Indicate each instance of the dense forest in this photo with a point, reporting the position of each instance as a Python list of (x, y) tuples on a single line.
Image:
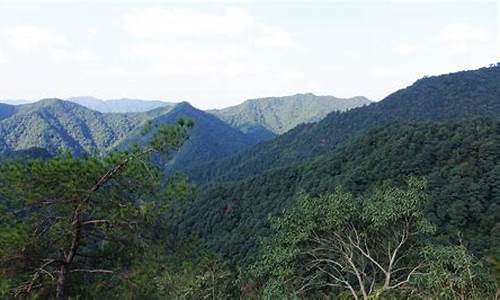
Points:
[(278, 115), (399, 199), (89, 126), (445, 97), (459, 160)]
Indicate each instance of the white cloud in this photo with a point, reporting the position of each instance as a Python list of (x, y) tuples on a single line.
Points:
[(187, 24), (43, 44), (200, 53), (452, 39), (31, 38), (464, 38), (3, 58), (406, 48), (462, 32)]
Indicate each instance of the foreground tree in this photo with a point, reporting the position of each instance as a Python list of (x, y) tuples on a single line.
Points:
[(362, 247), (453, 273), (69, 219)]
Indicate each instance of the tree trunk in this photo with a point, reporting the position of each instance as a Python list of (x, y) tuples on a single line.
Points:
[(61, 283)]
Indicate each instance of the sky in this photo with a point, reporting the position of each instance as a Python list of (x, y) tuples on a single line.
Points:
[(216, 54)]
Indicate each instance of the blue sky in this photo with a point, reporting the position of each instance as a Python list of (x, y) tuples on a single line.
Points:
[(216, 54)]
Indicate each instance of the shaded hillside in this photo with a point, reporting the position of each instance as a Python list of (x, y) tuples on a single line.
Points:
[(31, 153), (210, 139), (280, 114), (57, 125), (447, 97), (6, 110), (123, 105), (461, 162)]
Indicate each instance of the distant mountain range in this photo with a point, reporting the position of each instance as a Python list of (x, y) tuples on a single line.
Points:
[(445, 129), (210, 138), (249, 162), (455, 96), (58, 125), (123, 105), (280, 114), (87, 125)]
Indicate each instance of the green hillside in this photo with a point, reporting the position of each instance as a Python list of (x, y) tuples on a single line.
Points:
[(58, 125), (280, 114), (460, 160), (31, 153), (414, 176), (447, 97), (210, 138), (6, 110)]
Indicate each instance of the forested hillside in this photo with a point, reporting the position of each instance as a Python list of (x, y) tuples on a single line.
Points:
[(460, 160), (210, 139), (447, 97), (58, 125), (397, 199), (280, 114), (6, 110), (26, 154)]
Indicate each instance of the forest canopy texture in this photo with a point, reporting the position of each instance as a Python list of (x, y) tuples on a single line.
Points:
[(399, 199)]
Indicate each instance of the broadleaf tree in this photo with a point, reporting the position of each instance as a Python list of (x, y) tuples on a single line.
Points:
[(360, 247)]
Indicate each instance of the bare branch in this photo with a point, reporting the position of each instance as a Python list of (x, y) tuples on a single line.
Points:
[(101, 271)]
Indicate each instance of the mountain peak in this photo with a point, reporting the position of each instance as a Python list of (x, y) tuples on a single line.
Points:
[(184, 105), (280, 114), (49, 101), (455, 96)]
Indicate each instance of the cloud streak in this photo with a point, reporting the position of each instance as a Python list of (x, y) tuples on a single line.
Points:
[(31, 40), (232, 25)]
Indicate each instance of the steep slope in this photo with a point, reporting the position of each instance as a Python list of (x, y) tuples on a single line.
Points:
[(280, 114), (210, 139), (123, 105), (31, 153), (447, 97), (460, 160), (6, 110), (57, 125)]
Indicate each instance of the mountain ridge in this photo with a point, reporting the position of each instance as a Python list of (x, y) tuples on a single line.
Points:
[(122, 105), (451, 96), (210, 139), (456, 157), (55, 125), (280, 114)]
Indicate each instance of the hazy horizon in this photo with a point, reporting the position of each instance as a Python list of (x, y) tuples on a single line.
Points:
[(218, 55)]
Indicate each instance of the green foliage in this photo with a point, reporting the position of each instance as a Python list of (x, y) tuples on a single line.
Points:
[(131, 220), (282, 252), (277, 115), (61, 126), (67, 221), (57, 125), (210, 139), (366, 246), (459, 160), (456, 96), (389, 204), (453, 273)]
